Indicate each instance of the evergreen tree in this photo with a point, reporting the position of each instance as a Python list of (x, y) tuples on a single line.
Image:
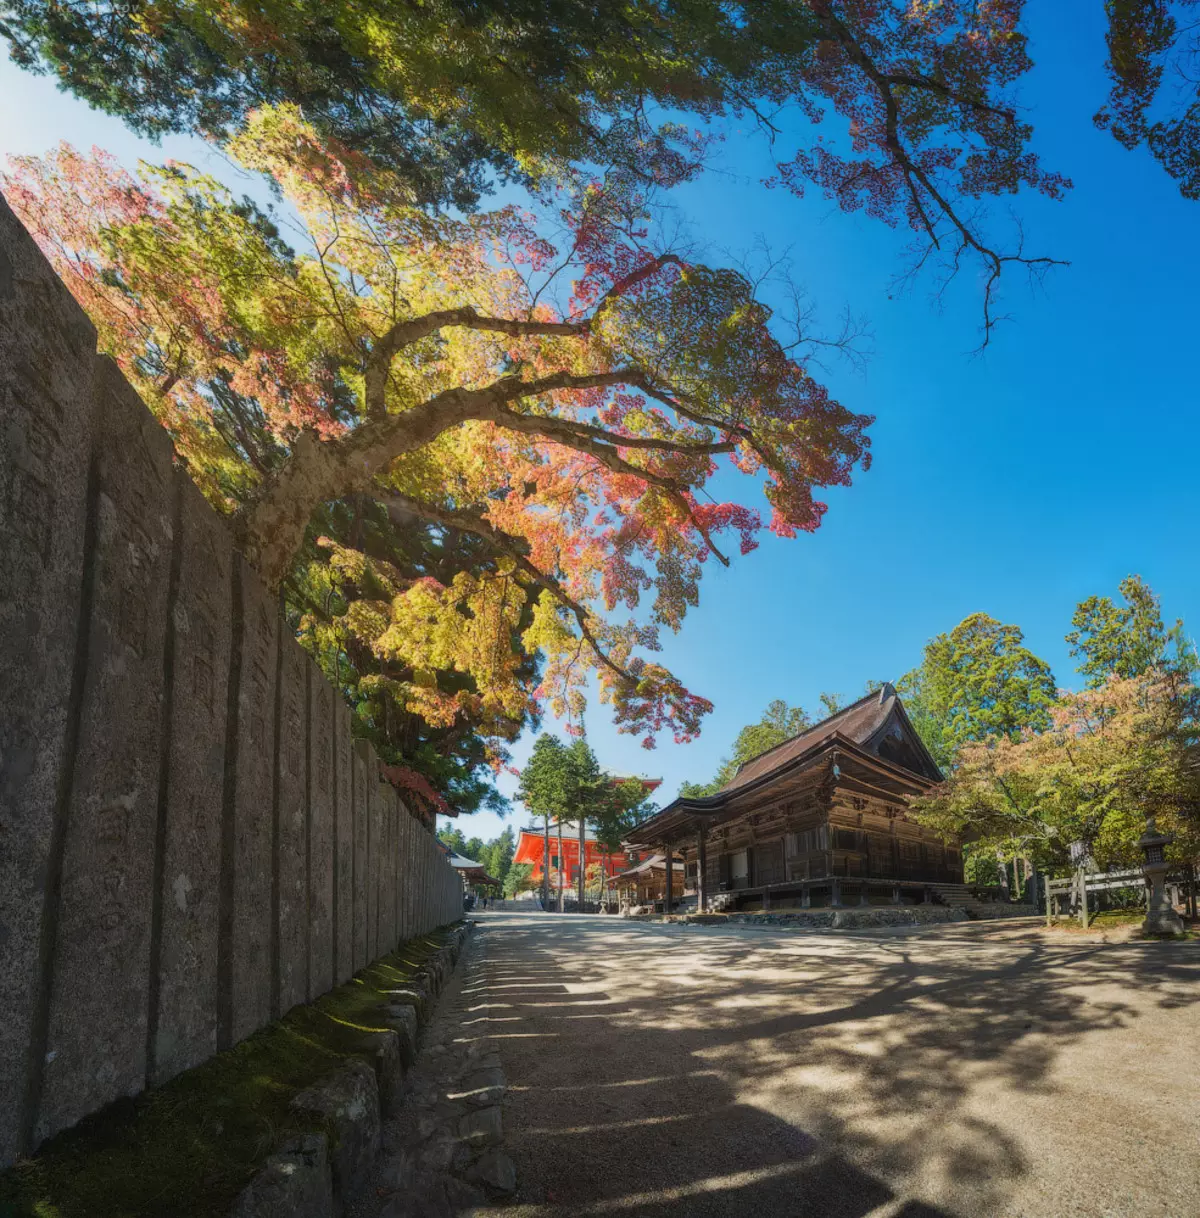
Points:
[(1129, 639), (779, 722), (979, 680)]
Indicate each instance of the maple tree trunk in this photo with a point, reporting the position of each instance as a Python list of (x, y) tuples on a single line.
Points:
[(271, 528), (318, 471)]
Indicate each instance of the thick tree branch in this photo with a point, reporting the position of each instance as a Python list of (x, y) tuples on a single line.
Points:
[(272, 527), (405, 333)]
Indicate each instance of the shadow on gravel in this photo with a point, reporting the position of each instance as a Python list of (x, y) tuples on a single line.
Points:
[(624, 1100)]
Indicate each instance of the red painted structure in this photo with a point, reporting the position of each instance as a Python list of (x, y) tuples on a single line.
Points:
[(531, 846)]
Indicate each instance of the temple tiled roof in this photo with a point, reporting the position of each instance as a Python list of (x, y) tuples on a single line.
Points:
[(857, 722)]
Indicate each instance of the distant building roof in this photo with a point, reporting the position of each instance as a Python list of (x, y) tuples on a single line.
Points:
[(657, 862)]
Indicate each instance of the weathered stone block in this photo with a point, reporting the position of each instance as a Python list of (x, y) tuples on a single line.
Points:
[(322, 857), (374, 855), (388, 892), (364, 779), (417, 995), (344, 820), (47, 371), (96, 1047), (185, 1013), (496, 1172), (246, 983), (389, 1070), (291, 841), (349, 1101), (295, 1183), (403, 1019), (483, 1127)]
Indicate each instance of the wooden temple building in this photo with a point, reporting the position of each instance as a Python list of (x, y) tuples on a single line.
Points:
[(820, 819), (643, 885)]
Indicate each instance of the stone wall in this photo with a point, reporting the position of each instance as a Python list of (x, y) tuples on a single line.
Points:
[(189, 842)]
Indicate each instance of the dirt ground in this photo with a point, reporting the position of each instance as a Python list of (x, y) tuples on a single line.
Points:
[(979, 1069)]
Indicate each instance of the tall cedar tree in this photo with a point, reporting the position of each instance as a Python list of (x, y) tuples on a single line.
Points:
[(545, 790), (980, 680), (1126, 640)]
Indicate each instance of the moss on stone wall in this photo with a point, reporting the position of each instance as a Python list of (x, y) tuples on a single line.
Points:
[(186, 1149)]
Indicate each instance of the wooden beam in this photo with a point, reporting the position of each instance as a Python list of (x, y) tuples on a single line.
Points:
[(670, 877)]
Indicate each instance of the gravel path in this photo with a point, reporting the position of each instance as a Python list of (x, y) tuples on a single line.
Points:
[(674, 1072)]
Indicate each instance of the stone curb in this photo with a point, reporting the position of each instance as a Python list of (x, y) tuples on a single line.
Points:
[(850, 918), (444, 1157), (312, 1178)]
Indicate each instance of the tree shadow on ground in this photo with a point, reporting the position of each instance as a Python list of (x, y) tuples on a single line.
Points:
[(671, 1074)]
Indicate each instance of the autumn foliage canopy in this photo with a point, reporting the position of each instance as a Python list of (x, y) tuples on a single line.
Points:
[(481, 453), (559, 389)]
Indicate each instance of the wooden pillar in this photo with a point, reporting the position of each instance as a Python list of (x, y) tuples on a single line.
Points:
[(670, 878), (1083, 908), (864, 896), (835, 895), (895, 894), (701, 872), (1049, 907), (806, 897)]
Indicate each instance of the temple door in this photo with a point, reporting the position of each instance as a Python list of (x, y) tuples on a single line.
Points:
[(740, 869)]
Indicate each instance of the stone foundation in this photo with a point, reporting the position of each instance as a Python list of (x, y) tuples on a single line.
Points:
[(856, 918)]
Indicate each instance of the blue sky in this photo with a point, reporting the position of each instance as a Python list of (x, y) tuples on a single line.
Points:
[(1016, 482)]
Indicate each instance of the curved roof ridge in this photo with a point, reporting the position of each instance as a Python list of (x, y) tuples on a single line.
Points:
[(881, 696)]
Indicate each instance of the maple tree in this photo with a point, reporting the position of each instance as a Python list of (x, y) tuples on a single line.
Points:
[(1108, 757), (1155, 98), (554, 396), (448, 93)]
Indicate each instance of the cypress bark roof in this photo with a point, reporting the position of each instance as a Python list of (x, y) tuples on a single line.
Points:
[(877, 721)]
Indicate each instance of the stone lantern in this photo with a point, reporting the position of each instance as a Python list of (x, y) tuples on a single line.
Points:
[(1161, 918)]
